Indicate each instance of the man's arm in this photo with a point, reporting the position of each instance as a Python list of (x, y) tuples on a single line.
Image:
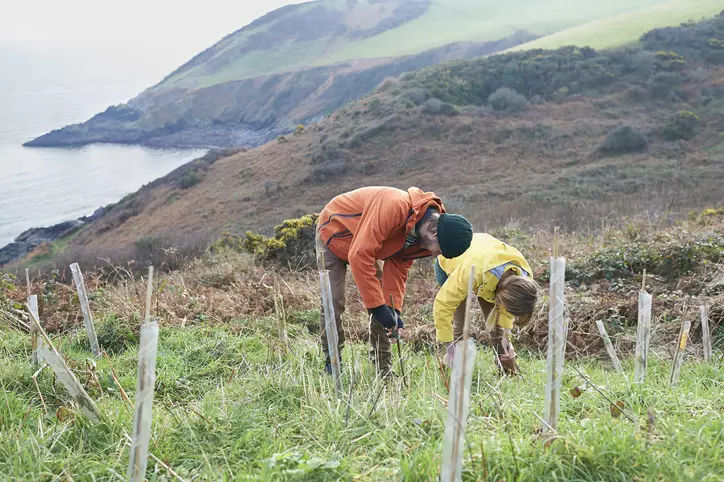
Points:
[(383, 215), (394, 279)]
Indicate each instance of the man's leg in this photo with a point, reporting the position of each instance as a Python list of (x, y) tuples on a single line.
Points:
[(337, 274), (380, 351)]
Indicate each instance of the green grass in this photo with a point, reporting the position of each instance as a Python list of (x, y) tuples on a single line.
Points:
[(448, 21), (445, 22), (627, 27), (226, 410)]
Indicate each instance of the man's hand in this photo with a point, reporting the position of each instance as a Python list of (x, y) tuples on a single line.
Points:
[(385, 316)]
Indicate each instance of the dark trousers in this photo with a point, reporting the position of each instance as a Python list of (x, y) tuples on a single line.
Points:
[(380, 351)]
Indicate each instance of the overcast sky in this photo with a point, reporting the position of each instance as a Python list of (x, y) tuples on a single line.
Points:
[(161, 34)]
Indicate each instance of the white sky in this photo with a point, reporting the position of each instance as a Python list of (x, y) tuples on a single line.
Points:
[(158, 33)]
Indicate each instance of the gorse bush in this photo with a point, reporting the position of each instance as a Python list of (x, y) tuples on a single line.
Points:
[(292, 244), (623, 140), (681, 126), (507, 100), (189, 180)]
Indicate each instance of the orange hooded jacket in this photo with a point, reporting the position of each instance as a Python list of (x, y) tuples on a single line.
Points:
[(370, 224)]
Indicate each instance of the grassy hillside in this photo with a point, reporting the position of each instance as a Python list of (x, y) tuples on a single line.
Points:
[(582, 134), (449, 21), (303, 61), (228, 403), (332, 31), (626, 28)]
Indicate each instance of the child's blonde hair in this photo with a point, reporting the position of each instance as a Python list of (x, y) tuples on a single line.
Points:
[(518, 295)]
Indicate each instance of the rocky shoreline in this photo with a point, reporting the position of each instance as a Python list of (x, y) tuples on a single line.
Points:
[(34, 237)]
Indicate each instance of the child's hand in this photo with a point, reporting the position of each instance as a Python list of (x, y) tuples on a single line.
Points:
[(450, 355)]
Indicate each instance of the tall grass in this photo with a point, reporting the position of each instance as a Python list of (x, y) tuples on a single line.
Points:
[(228, 409)]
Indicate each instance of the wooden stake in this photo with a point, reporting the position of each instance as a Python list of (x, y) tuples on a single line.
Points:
[(556, 343), (643, 281), (281, 314), (459, 403), (643, 337), (680, 352), (85, 307), (399, 347), (124, 395), (609, 347), (35, 340), (149, 294), (555, 242), (705, 334), (330, 327), (65, 375)]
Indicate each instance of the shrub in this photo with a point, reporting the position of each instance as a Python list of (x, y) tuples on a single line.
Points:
[(416, 96), (623, 140), (435, 106), (669, 61), (292, 245), (664, 83), (189, 180), (507, 100), (147, 247), (636, 93), (681, 126)]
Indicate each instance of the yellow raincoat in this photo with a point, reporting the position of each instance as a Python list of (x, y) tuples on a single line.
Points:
[(491, 258)]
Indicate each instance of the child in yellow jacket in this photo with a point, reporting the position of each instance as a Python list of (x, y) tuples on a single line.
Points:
[(506, 292)]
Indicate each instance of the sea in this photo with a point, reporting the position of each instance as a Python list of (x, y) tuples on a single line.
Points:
[(40, 187)]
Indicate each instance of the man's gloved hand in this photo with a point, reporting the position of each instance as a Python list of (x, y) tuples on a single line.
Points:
[(385, 316), (395, 334), (450, 354)]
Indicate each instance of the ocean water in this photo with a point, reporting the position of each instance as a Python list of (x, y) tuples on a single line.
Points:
[(42, 187)]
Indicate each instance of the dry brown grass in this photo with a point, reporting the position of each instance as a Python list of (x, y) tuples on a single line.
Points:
[(232, 288)]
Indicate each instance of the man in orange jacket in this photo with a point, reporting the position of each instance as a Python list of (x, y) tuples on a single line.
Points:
[(382, 225)]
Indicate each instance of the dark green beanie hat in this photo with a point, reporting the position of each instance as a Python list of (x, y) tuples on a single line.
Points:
[(454, 233)]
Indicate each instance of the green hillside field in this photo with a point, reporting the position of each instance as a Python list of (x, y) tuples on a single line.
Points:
[(627, 27), (329, 31), (449, 21)]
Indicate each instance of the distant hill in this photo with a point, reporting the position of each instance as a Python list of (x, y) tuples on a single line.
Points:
[(540, 136), (300, 62)]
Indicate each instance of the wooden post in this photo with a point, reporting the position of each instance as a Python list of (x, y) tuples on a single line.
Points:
[(281, 315), (705, 334), (556, 340), (680, 352), (143, 416), (36, 340), (609, 347), (459, 402), (64, 374), (643, 335), (330, 327), (85, 307)]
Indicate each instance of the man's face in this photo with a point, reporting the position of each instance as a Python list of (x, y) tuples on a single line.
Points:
[(428, 236)]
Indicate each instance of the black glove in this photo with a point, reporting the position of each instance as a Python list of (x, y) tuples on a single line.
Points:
[(385, 316), (400, 323)]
